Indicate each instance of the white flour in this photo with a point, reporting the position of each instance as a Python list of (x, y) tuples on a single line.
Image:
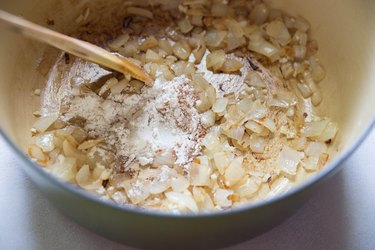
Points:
[(139, 126)]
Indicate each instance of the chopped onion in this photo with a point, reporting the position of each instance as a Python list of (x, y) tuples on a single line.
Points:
[(119, 42), (108, 85), (215, 60), (179, 184), (221, 198), (183, 200), (277, 30), (43, 123), (314, 129), (328, 133), (199, 174), (259, 14), (214, 38), (280, 186), (220, 105), (289, 160), (166, 46), (258, 44), (45, 142), (182, 50), (152, 56), (222, 161), (235, 171), (231, 66), (185, 25), (311, 163), (257, 144), (248, 188), (119, 87)]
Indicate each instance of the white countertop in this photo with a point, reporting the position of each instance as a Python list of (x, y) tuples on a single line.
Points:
[(341, 215)]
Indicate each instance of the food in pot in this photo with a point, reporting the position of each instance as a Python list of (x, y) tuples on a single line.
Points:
[(230, 119)]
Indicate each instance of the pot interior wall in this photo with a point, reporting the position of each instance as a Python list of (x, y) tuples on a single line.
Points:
[(345, 30)]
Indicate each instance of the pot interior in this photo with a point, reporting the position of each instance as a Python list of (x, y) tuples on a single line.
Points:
[(345, 30)]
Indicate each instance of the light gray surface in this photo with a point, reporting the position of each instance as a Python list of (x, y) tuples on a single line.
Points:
[(341, 215)]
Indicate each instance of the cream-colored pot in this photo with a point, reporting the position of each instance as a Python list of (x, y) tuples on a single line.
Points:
[(345, 30)]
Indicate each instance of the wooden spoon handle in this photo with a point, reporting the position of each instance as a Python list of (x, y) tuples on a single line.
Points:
[(74, 46)]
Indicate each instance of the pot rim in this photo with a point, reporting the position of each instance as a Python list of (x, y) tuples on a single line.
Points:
[(154, 213)]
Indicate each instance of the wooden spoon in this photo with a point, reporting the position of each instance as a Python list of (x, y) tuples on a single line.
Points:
[(74, 46)]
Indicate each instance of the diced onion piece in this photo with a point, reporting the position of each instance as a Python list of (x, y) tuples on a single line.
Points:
[(140, 12), (199, 174), (166, 46), (45, 142), (328, 133), (44, 122), (234, 27), (214, 38), (149, 43), (280, 186), (199, 52), (315, 148), (311, 163), (317, 71), (70, 151), (248, 188), (185, 25), (215, 60), (269, 124), (258, 44), (253, 79), (254, 127), (65, 168), (299, 52), (277, 30), (231, 66), (257, 143), (84, 179), (37, 153), (211, 140), (119, 87), (300, 38), (130, 49), (152, 56), (221, 198), (316, 98), (184, 200), (182, 50), (235, 132), (235, 171), (289, 160), (179, 184), (222, 161), (287, 70), (314, 129), (304, 90), (259, 14), (164, 158), (119, 42), (137, 191), (208, 119), (220, 105), (108, 85), (159, 186)]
